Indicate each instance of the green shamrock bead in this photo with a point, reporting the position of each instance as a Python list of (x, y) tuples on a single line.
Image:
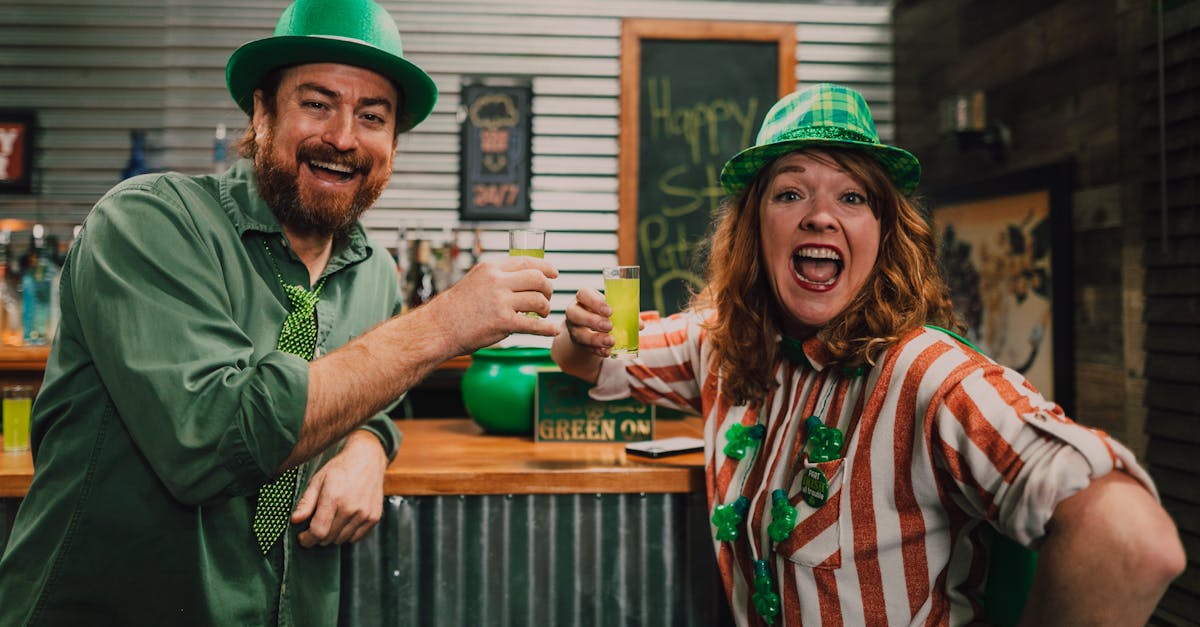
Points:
[(739, 437), (728, 517), (766, 602), (783, 516), (736, 441), (824, 442)]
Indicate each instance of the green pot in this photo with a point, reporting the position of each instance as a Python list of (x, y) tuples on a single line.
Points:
[(498, 388)]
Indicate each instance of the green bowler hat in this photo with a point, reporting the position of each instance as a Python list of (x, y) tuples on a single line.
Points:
[(821, 115), (350, 32)]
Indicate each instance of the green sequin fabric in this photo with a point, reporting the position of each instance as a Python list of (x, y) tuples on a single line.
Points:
[(298, 337)]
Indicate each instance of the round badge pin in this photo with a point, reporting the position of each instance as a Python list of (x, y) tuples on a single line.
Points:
[(814, 487)]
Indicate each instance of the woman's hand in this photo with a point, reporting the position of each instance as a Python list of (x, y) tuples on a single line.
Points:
[(588, 338), (587, 322)]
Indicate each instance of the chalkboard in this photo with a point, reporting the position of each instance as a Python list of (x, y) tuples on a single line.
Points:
[(692, 95)]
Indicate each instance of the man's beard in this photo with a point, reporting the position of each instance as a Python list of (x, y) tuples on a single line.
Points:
[(315, 212)]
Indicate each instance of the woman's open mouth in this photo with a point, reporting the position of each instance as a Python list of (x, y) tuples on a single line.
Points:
[(817, 266)]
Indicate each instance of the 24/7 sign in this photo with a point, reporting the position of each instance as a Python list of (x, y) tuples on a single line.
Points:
[(495, 152)]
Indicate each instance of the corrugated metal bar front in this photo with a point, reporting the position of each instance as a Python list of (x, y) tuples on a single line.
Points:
[(586, 559)]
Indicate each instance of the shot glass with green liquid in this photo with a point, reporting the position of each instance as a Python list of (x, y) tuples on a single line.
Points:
[(527, 243), (18, 401), (623, 293)]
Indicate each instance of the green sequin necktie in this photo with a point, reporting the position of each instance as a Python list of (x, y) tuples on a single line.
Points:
[(298, 337)]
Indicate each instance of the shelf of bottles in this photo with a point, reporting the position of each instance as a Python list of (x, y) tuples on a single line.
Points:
[(30, 257), (428, 262)]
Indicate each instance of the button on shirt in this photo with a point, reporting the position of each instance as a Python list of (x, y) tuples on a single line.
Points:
[(166, 406), (940, 442)]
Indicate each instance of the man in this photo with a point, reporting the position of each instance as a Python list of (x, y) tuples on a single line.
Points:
[(179, 395)]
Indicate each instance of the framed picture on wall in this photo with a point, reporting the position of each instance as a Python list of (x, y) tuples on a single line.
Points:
[(18, 129), (1005, 249)]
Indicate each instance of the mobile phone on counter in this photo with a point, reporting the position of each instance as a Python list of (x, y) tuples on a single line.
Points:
[(665, 447)]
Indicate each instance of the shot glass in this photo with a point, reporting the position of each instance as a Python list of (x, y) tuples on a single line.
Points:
[(17, 405), (622, 290), (527, 243)]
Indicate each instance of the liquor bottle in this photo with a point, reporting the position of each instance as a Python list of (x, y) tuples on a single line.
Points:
[(219, 150), (137, 155), (443, 265), (424, 285), (10, 303), (402, 264), (60, 250), (37, 283), (55, 253), (476, 247), (461, 257)]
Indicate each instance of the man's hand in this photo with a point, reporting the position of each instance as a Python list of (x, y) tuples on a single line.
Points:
[(344, 500), (487, 304), (360, 379)]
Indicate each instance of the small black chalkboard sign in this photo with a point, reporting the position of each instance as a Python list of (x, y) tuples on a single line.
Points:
[(496, 135)]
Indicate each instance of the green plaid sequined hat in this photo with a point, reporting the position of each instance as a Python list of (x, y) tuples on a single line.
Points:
[(821, 115)]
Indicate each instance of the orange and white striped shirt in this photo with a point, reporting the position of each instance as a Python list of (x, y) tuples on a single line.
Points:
[(939, 441)]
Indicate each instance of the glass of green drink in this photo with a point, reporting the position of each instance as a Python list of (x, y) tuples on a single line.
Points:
[(18, 401), (622, 291), (527, 243)]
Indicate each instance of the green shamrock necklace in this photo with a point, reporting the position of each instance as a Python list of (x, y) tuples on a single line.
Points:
[(824, 443)]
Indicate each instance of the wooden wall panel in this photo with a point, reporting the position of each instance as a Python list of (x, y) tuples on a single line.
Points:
[(1170, 153)]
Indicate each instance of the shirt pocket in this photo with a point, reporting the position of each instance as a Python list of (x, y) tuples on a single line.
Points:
[(816, 540)]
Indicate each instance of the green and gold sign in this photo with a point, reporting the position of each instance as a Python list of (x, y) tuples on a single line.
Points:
[(565, 413)]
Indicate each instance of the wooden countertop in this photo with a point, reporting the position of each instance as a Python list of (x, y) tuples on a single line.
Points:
[(25, 358), (454, 456)]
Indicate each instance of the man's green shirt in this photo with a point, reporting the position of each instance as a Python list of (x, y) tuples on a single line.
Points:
[(166, 406)]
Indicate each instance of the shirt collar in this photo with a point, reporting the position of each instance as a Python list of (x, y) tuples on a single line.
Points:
[(249, 212), (813, 352), (809, 352)]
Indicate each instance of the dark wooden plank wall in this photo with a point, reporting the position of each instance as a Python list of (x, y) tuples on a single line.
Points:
[(1052, 73), (1076, 81), (1172, 288)]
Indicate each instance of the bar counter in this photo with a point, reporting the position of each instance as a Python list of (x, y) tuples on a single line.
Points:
[(482, 529), (454, 456)]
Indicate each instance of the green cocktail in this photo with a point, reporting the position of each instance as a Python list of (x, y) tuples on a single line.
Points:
[(527, 243), (18, 401), (622, 291)]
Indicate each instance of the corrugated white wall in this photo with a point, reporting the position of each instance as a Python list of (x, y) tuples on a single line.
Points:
[(94, 70)]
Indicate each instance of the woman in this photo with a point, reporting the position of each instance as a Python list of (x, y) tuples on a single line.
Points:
[(858, 453)]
